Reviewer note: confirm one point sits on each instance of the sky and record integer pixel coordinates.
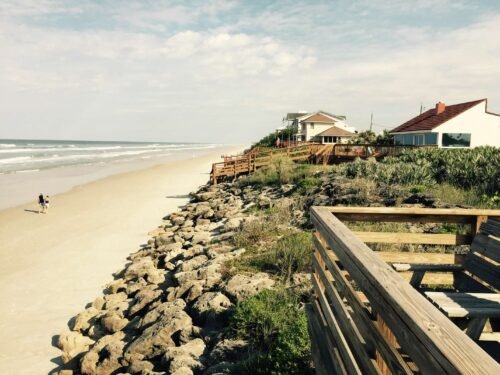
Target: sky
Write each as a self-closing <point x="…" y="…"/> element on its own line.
<point x="227" y="71"/>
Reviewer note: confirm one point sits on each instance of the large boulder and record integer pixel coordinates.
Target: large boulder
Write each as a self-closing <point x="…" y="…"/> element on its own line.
<point x="73" y="345"/>
<point x="193" y="263"/>
<point x="240" y="287"/>
<point x="113" y="322"/>
<point x="155" y="339"/>
<point x="166" y="310"/>
<point x="104" y="357"/>
<point x="144" y="297"/>
<point x="187" y="355"/>
<point x="85" y="319"/>
<point x="211" y="305"/>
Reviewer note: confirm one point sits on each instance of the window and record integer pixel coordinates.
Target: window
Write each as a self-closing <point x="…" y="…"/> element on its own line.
<point x="418" y="140"/>
<point x="456" y="140"/>
<point x="408" y="139"/>
<point x="431" y="139"/>
<point x="398" y="139"/>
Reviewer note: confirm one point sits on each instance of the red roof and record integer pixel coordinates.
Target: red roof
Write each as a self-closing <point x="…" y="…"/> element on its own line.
<point x="430" y="120"/>
<point x="335" y="132"/>
<point x="318" y="117"/>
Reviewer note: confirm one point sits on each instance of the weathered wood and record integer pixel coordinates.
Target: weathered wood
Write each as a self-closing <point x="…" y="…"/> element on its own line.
<point x="431" y="278"/>
<point x="465" y="305"/>
<point x="491" y="227"/>
<point x="351" y="333"/>
<point x="427" y="258"/>
<point x="334" y="328"/>
<point x="414" y="238"/>
<point x="324" y="350"/>
<point x="483" y="269"/>
<point x="416" y="278"/>
<point x="412" y="215"/>
<point x="371" y="332"/>
<point x="400" y="267"/>
<point x="480" y="219"/>
<point x="475" y="328"/>
<point x="487" y="246"/>
<point x="432" y="341"/>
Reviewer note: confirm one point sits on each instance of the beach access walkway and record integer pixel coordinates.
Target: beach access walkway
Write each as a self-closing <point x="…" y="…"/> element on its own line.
<point x="314" y="153"/>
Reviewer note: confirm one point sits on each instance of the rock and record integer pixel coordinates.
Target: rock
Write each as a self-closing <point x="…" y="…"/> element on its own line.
<point x="201" y="238"/>
<point x="211" y="304"/>
<point x="301" y="282"/>
<point x="227" y="350"/>
<point x="104" y="357"/>
<point x="85" y="319"/>
<point x="193" y="263"/>
<point x="222" y="368"/>
<point x="113" y="300"/>
<point x="139" y="269"/>
<point x="155" y="339"/>
<point x="182" y="371"/>
<point x="233" y="224"/>
<point x="144" y="297"/>
<point x="112" y="322"/>
<point x="240" y="287"/>
<point x="164" y="239"/>
<point x="193" y="251"/>
<point x="140" y="367"/>
<point x="185" y="356"/>
<point x="73" y="344"/>
<point x="166" y="310"/>
<point x="202" y="222"/>
<point x="116" y="286"/>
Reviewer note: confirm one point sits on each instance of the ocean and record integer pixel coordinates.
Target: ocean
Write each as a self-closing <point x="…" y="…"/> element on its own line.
<point x="25" y="156"/>
<point x="30" y="167"/>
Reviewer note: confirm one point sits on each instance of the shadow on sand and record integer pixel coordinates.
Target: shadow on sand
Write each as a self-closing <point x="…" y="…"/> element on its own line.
<point x="33" y="211"/>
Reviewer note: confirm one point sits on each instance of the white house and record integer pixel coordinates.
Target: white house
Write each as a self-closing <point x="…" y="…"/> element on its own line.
<point x="322" y="126"/>
<point x="459" y="125"/>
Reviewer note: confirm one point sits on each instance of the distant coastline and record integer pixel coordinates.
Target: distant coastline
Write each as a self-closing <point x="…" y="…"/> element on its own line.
<point x="30" y="167"/>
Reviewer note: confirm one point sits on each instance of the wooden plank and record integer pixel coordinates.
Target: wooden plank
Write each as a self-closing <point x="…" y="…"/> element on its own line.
<point x="325" y="353"/>
<point x="491" y="227"/>
<point x="428" y="258"/>
<point x="487" y="246"/>
<point x="431" y="278"/>
<point x="414" y="238"/>
<point x="334" y="328"/>
<point x="413" y="215"/>
<point x="351" y="332"/>
<point x="464" y="305"/>
<point x="475" y="328"/>
<point x="370" y="330"/>
<point x="400" y="267"/>
<point x="483" y="269"/>
<point x="480" y="219"/>
<point x="433" y="341"/>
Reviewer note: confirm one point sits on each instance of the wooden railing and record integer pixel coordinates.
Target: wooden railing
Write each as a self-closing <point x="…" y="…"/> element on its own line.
<point x="364" y="318"/>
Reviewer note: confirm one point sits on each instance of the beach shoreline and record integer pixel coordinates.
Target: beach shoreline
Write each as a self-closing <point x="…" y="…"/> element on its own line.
<point x="53" y="265"/>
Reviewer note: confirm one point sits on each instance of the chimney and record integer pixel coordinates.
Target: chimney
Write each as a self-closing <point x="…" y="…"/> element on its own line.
<point x="440" y="108"/>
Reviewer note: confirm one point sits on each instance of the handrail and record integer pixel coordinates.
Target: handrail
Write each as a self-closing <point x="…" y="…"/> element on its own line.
<point x="406" y="323"/>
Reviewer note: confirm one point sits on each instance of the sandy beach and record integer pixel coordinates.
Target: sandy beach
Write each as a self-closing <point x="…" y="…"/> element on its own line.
<point x="53" y="265"/>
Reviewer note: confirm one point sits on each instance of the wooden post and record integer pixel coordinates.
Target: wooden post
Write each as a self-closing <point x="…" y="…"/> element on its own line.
<point x="478" y="220"/>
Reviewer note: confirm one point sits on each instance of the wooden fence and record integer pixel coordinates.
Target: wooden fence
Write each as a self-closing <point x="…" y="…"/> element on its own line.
<point x="364" y="318"/>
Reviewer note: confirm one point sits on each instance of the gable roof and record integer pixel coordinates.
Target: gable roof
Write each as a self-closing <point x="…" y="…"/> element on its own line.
<point x="321" y="116"/>
<point x="430" y="119"/>
<point x="335" y="131"/>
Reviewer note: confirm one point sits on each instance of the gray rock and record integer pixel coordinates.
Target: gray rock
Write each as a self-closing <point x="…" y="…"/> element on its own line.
<point x="201" y="238"/>
<point x="240" y="287"/>
<point x="113" y="322"/>
<point x="185" y="356"/>
<point x="140" y="367"/>
<point x="155" y="339"/>
<point x="85" y="319"/>
<point x="193" y="263"/>
<point x="166" y="310"/>
<point x="145" y="297"/>
<point x="211" y="304"/>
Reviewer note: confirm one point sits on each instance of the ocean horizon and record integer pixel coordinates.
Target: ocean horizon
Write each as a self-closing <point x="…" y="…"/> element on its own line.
<point x="29" y="155"/>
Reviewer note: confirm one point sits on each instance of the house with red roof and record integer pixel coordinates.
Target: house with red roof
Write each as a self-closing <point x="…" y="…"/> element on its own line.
<point x="323" y="127"/>
<point x="459" y="125"/>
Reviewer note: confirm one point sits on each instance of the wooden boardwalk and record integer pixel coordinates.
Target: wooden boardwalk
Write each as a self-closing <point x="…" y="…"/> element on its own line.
<point x="315" y="153"/>
<point x="364" y="318"/>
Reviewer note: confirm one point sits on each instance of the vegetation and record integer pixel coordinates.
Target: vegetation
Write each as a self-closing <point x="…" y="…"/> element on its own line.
<point x="282" y="170"/>
<point x="469" y="170"/>
<point x="369" y="137"/>
<point x="270" y="139"/>
<point x="277" y="333"/>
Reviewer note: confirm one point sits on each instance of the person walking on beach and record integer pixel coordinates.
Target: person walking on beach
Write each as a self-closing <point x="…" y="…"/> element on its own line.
<point x="47" y="204"/>
<point x="41" y="203"/>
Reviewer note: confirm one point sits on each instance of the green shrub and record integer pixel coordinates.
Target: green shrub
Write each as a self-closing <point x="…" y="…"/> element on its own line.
<point x="292" y="254"/>
<point x="277" y="333"/>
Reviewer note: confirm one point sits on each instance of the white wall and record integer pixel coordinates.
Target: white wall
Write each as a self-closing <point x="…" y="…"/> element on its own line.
<point x="483" y="127"/>
<point x="318" y="128"/>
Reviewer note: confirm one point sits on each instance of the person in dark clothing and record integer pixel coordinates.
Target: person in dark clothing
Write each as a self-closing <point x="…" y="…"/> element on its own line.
<point x="41" y="203"/>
